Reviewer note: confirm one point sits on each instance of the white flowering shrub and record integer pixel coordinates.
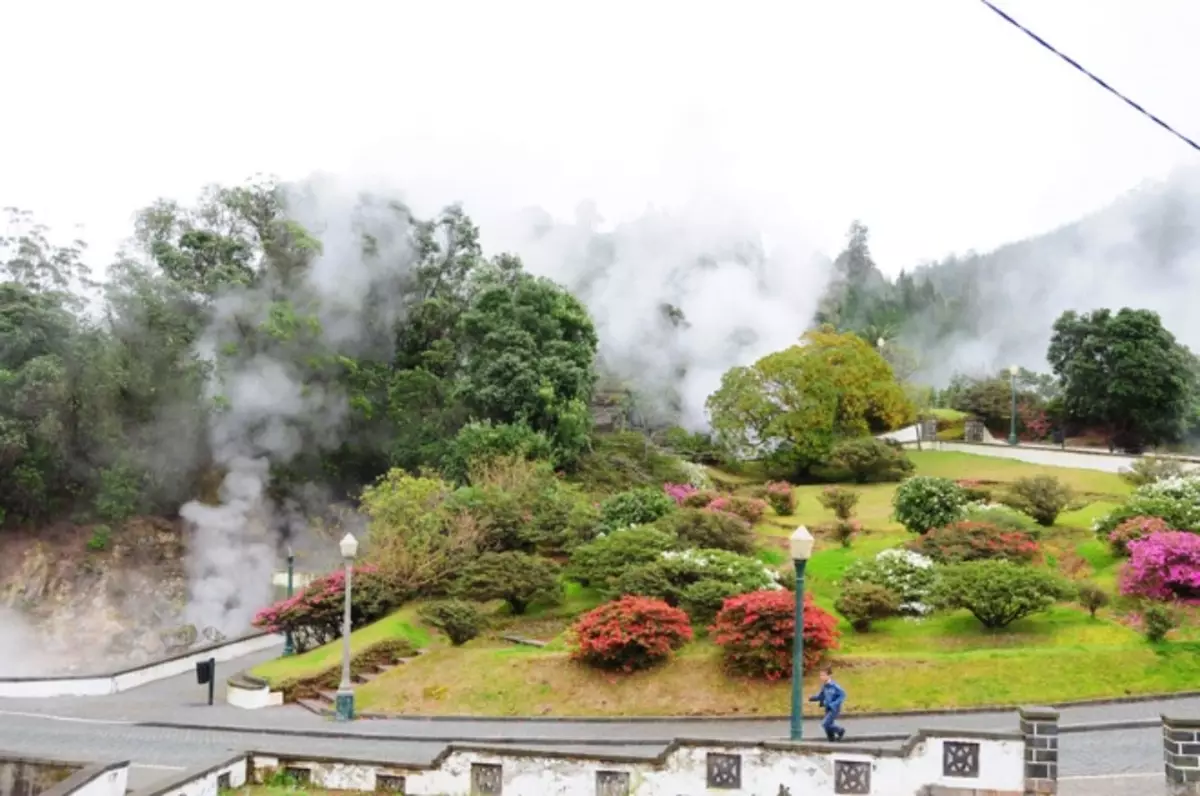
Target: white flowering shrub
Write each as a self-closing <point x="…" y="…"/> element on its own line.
<point x="924" y="502"/>
<point x="697" y="475"/>
<point x="1175" y="500"/>
<point x="907" y="573"/>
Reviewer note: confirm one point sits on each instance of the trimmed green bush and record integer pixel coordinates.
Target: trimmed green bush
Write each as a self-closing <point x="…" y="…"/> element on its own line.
<point x="924" y="502"/>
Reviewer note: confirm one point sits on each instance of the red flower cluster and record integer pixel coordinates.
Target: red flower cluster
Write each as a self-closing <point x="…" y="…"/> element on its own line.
<point x="630" y="633"/>
<point x="757" y="631"/>
<point x="975" y="541"/>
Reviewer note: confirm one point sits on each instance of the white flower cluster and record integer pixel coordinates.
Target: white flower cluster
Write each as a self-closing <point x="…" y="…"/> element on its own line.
<point x="905" y="572"/>
<point x="697" y="476"/>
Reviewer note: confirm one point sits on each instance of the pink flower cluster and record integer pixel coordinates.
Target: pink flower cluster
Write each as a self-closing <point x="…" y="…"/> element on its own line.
<point x="1163" y="566"/>
<point x="679" y="492"/>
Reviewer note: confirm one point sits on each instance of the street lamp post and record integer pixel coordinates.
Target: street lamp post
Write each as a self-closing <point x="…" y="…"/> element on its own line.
<point x="801" y="548"/>
<point x="345" y="692"/>
<point x="289" y="643"/>
<point x="1012" y="428"/>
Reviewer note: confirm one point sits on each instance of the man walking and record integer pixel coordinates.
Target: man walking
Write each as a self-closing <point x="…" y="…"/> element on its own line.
<point x="831" y="697"/>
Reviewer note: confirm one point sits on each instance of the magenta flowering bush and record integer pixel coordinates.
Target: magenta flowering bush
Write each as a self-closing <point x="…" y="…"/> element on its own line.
<point x="679" y="492"/>
<point x="1135" y="528"/>
<point x="1163" y="566"/>
<point x="314" y="615"/>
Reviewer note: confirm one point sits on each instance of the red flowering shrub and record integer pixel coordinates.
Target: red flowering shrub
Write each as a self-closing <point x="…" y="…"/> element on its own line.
<point x="1034" y="421"/>
<point x="782" y="498"/>
<point x="314" y="615"/>
<point x="757" y="630"/>
<point x="749" y="509"/>
<point x="1133" y="529"/>
<point x="629" y="634"/>
<point x="975" y="541"/>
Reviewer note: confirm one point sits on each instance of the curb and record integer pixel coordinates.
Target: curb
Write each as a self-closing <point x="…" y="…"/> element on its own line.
<point x="883" y="714"/>
<point x="462" y="739"/>
<point x="883" y="737"/>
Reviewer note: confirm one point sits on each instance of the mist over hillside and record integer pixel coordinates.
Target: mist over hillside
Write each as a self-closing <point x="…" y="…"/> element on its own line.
<point x="978" y="313"/>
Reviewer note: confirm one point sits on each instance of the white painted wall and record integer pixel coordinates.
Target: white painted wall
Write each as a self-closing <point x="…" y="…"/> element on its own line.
<point x="252" y="698"/>
<point x="805" y="771"/>
<point x="207" y="783"/>
<point x="110" y="783"/>
<point x="123" y="681"/>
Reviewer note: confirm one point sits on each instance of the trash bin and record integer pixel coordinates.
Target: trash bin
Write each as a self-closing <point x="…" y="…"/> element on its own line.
<point x="204" y="671"/>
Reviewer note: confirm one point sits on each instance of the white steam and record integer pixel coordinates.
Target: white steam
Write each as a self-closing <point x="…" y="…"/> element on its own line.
<point x="1142" y="251"/>
<point x="270" y="412"/>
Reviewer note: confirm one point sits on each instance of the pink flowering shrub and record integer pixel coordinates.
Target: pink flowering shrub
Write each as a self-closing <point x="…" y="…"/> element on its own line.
<point x="679" y="492"/>
<point x="1163" y="566"/>
<point x="782" y="498"/>
<point x="314" y="615"/>
<point x="1133" y="529"/>
<point x="749" y="509"/>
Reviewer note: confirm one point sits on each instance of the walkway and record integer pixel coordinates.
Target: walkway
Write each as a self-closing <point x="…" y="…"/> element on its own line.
<point x="165" y="726"/>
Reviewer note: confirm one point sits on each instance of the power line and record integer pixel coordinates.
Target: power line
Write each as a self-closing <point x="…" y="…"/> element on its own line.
<point x="1099" y="81"/>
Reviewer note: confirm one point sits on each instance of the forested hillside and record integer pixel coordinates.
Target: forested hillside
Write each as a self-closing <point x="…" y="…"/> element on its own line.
<point x="978" y="313"/>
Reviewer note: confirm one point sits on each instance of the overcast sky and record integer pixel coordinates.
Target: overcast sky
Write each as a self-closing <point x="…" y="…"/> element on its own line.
<point x="935" y="122"/>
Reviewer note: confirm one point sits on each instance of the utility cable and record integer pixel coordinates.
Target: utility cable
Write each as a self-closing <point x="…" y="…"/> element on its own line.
<point x="1098" y="80"/>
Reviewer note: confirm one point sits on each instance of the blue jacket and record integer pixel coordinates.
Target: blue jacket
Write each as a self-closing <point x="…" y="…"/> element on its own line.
<point x="831" y="697"/>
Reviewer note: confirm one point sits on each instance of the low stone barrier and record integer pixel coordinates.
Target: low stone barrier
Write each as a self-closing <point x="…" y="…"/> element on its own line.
<point x="115" y="682"/>
<point x="936" y="763"/>
<point x="21" y="775"/>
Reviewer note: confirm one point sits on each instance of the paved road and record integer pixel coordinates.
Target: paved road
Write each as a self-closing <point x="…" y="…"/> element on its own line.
<point x="131" y="726"/>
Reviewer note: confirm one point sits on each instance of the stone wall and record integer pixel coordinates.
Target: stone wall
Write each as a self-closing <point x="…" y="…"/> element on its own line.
<point x="30" y="777"/>
<point x="955" y="762"/>
<point x="1181" y="755"/>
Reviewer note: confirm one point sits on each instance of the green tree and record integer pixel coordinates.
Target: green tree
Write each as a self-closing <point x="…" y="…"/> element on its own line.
<point x="528" y="348"/>
<point x="1125" y="371"/>
<point x="792" y="406"/>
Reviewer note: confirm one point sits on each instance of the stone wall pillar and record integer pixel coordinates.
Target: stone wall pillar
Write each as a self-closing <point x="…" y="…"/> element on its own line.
<point x="1181" y="753"/>
<point x="1040" y="728"/>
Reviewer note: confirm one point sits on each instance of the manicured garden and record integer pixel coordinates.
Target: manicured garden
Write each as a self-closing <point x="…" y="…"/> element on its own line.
<point x="680" y="603"/>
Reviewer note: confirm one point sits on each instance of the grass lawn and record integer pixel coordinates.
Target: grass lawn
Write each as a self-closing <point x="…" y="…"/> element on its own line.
<point x="402" y="624"/>
<point x="945" y="660"/>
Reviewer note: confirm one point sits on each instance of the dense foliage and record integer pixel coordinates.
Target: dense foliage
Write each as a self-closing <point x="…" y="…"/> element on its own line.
<point x="967" y="540"/>
<point x="460" y="620"/>
<point x="999" y="592"/>
<point x="790" y="407"/>
<point x="396" y="343"/>
<point x="517" y="578"/>
<point x="629" y="634"/>
<point x="1125" y="371"/>
<point x="1042" y="497"/>
<point x="924" y="502"/>
<point x="756" y="632"/>
<point x="862" y="603"/>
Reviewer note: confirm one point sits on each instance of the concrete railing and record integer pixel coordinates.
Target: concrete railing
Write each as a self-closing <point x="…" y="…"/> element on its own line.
<point x="99" y="780"/>
<point x="115" y="682"/>
<point x="941" y="762"/>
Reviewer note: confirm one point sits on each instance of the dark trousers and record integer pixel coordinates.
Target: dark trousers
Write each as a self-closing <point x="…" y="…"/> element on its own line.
<point x="829" y="725"/>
